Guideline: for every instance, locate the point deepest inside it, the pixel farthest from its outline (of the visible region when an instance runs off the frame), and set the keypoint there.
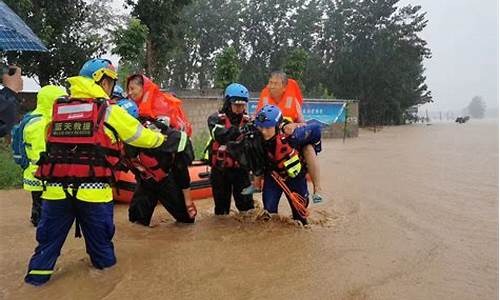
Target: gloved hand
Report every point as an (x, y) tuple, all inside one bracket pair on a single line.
[(249, 128), (172, 140), (233, 132)]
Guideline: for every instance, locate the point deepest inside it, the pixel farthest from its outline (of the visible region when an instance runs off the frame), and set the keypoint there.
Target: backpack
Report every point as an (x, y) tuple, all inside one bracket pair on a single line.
[(17, 143), (77, 148)]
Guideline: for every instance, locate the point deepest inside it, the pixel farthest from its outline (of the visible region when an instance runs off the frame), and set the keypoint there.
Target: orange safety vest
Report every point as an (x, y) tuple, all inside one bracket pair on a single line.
[(290, 103), (154, 103)]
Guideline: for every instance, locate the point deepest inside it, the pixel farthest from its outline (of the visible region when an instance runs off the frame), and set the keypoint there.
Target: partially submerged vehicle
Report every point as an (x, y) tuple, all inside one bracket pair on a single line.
[(462, 120)]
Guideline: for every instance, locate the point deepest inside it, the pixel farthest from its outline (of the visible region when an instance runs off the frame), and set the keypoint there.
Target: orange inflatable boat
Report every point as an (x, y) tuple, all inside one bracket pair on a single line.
[(200, 183)]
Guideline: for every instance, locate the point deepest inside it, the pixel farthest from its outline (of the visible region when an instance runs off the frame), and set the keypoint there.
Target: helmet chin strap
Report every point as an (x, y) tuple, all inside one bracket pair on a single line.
[(113, 88)]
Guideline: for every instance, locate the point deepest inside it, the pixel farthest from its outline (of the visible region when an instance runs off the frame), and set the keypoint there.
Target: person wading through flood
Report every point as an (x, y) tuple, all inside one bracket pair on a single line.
[(160, 177), (227, 177), (33, 135), (82, 151), (286, 95), (285, 170)]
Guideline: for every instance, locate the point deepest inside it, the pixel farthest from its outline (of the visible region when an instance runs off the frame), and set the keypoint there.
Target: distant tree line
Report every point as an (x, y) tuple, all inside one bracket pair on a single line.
[(368, 50), (476, 108)]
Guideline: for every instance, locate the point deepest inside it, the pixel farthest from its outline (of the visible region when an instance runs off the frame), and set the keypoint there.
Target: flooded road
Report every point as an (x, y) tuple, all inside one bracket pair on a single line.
[(412, 213)]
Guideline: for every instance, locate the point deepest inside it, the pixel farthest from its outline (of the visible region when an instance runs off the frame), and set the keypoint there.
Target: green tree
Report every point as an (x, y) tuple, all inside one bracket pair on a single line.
[(130, 41), (227, 68), (476, 107), (268, 28), (64, 27), (161, 18), (296, 64), (208, 27), (375, 55), (130, 44)]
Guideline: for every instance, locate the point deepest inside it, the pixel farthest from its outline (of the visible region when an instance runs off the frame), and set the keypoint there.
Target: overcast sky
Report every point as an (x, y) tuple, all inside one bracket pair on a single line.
[(463, 38)]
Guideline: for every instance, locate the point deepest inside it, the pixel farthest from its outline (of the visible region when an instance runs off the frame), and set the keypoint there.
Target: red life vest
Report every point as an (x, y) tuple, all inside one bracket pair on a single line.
[(285, 158), (148, 166), (78, 149), (220, 155)]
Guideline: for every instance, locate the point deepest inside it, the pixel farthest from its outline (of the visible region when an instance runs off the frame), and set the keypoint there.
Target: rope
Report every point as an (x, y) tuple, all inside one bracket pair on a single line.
[(298, 202)]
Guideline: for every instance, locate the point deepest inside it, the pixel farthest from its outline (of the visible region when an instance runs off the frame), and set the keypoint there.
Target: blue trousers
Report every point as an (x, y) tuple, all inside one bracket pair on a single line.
[(96, 223), (271, 194)]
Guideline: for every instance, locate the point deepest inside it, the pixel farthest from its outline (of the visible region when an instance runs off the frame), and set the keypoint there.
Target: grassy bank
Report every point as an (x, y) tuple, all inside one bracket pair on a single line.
[(199, 143), (10, 173)]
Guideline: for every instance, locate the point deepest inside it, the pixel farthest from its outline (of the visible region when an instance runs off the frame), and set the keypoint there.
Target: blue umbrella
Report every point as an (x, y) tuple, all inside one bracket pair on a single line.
[(15, 35)]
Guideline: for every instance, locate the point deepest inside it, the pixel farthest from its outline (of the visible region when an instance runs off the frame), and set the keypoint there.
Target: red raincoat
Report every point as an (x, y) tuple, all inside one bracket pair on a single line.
[(154, 103)]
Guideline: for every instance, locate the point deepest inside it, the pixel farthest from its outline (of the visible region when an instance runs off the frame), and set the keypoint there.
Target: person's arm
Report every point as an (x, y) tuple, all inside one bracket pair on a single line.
[(219, 132), (130, 131), (304, 135), (300, 115), (34, 138), (8, 110)]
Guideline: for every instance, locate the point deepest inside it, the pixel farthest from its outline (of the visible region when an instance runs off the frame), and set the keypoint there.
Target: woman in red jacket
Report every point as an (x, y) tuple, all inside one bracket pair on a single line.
[(155, 104)]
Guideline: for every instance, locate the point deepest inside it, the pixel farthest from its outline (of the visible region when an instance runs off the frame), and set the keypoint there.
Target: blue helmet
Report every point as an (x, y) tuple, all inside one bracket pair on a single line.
[(129, 106), (236, 93), (118, 91), (98, 67), (269, 116)]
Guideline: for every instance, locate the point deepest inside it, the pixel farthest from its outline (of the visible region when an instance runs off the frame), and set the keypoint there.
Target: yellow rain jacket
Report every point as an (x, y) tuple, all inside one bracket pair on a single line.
[(129, 130), (35, 131)]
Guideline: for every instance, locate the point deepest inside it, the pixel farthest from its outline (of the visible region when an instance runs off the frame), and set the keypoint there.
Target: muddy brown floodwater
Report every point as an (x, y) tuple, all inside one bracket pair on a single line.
[(412, 213)]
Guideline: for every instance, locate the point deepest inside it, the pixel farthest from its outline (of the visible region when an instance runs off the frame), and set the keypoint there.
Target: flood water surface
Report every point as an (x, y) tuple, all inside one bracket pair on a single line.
[(411, 213)]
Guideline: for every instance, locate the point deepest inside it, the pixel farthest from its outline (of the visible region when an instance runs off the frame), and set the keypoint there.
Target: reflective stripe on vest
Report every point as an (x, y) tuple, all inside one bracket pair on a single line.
[(41, 272), (286, 158), (136, 135), (32, 182), (220, 156), (182, 142), (75, 108)]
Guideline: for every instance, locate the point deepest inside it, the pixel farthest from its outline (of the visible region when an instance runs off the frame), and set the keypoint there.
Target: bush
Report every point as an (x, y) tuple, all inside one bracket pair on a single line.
[(199, 144), (11, 175)]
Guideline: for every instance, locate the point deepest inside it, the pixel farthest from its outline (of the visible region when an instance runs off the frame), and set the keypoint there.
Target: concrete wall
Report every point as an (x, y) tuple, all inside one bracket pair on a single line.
[(198, 108), (351, 126), (199, 104)]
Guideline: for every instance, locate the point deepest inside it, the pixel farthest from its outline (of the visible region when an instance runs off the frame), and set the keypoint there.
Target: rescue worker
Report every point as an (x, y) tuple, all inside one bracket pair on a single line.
[(285, 170), (160, 177), (156, 105), (226, 175), (118, 93), (34, 140), (89, 200), (125, 103), (286, 95)]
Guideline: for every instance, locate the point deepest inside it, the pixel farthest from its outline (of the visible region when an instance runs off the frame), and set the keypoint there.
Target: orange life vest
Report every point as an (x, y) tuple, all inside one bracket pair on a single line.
[(153, 103), (290, 103)]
